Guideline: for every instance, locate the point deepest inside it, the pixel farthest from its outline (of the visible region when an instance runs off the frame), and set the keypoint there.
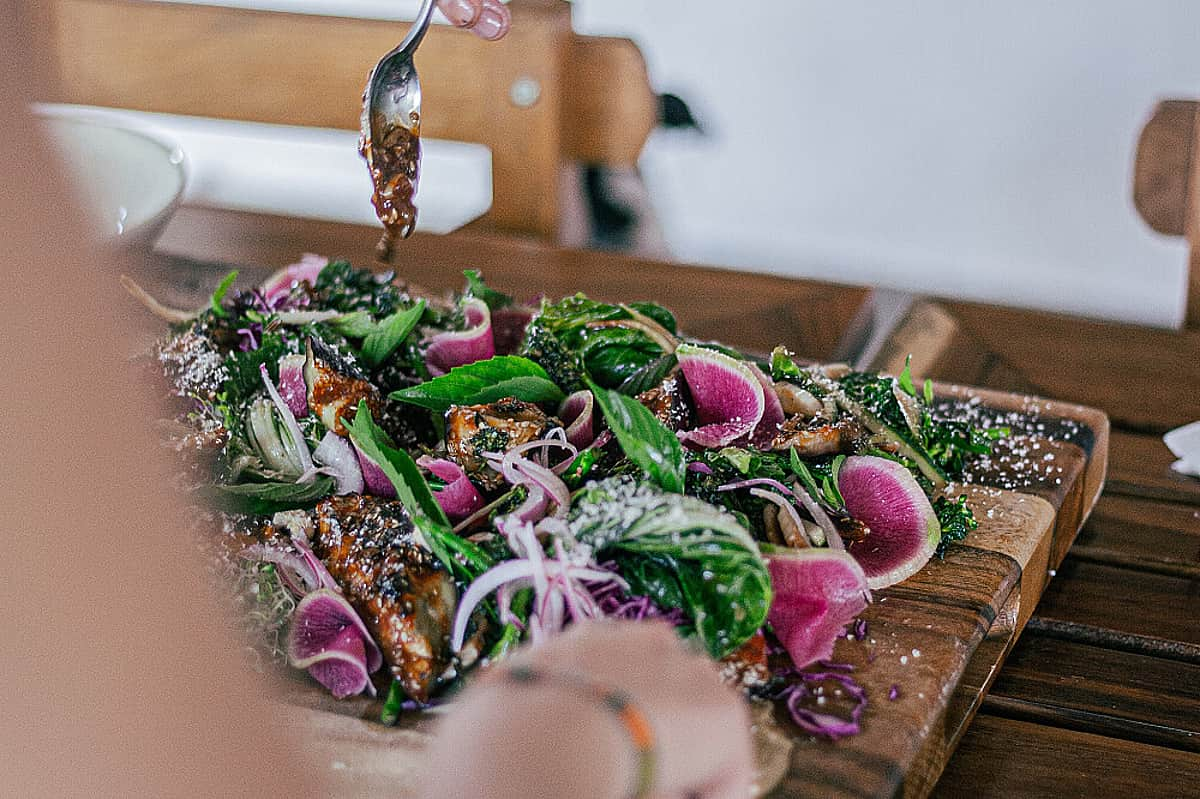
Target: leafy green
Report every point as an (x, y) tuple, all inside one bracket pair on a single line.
[(461, 558), (649, 376), (218, 296), (268, 498), (682, 552), (643, 438), (956, 519), (245, 378), (577, 337), (477, 288), (483, 382), (342, 287), (905, 378), (390, 333), (357, 324), (782, 365), (928, 391), (393, 706)]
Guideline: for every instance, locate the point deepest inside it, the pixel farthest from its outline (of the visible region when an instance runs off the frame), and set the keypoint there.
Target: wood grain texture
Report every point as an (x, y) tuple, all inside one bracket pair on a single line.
[(298, 69), (1141, 467), (1144, 379), (1003, 758), (1097, 689)]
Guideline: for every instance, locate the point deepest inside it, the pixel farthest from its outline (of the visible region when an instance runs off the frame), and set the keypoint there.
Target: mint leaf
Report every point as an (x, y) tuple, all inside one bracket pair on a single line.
[(644, 439), (218, 296), (389, 334), (480, 290), (265, 498), (461, 558), (482, 382), (928, 391)]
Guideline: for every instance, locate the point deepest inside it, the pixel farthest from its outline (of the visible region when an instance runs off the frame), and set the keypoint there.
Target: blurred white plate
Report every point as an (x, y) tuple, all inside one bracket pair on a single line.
[(130, 183)]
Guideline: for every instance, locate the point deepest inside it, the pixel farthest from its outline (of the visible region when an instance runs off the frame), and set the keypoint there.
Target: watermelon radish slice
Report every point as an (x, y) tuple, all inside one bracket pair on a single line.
[(816, 593), (773, 416), (904, 530), (729, 399)]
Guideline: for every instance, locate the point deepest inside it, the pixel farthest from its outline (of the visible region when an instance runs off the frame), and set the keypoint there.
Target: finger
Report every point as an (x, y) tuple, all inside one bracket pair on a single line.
[(461, 13), (487, 19)]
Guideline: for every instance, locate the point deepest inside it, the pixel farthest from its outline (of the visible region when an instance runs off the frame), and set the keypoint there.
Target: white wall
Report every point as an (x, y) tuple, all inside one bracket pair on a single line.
[(978, 149)]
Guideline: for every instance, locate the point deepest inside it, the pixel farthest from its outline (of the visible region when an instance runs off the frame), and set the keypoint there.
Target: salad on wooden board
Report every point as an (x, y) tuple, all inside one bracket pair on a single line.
[(406, 487)]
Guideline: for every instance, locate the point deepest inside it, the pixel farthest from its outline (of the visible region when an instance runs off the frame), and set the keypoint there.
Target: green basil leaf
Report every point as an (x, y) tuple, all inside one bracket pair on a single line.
[(218, 296), (480, 290), (390, 333), (649, 376), (643, 438), (266, 498), (482, 382), (685, 553)]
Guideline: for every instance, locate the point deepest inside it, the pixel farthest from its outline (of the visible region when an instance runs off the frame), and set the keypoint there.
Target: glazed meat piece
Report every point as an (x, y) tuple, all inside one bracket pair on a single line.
[(335, 386), (669, 404), (815, 437), (397, 585), (472, 430)]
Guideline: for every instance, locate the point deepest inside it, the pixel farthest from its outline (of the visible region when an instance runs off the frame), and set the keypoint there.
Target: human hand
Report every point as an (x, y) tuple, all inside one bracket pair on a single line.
[(487, 19), (544, 738)]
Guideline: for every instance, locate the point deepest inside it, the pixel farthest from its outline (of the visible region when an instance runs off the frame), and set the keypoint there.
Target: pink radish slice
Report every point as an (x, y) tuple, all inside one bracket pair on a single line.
[(459, 499), (375, 480), (904, 530), (292, 386), (458, 348), (773, 416), (281, 282), (327, 638), (817, 592), (508, 327), (729, 399)]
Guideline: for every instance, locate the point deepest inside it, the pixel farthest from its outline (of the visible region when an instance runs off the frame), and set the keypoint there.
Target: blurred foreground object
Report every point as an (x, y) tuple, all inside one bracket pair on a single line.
[(1166, 183)]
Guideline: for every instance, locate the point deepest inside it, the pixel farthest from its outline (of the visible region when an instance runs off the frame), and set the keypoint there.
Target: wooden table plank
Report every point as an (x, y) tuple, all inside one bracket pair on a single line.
[(1123, 600), (1003, 758), (1141, 467), (1096, 689), (1144, 534), (1145, 379)]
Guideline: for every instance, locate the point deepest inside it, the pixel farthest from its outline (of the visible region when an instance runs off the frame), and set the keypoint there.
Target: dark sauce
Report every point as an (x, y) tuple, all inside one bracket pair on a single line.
[(394, 162)]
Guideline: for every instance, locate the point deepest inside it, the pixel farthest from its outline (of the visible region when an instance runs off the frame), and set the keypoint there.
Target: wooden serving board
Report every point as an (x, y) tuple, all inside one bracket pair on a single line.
[(940, 636)]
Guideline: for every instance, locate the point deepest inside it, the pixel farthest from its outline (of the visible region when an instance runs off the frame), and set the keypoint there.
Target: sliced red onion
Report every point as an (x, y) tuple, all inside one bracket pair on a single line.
[(328, 638), (832, 537), (699, 466), (375, 480), (459, 499), (508, 327), (282, 281), (339, 456), (768, 426), (457, 348), (293, 428), (729, 399), (291, 384), (816, 593), (576, 413), (294, 570), (518, 470)]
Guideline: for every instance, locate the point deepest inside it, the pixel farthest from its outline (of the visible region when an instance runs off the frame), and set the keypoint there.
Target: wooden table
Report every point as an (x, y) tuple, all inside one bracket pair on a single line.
[(1102, 692), (1103, 689)]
